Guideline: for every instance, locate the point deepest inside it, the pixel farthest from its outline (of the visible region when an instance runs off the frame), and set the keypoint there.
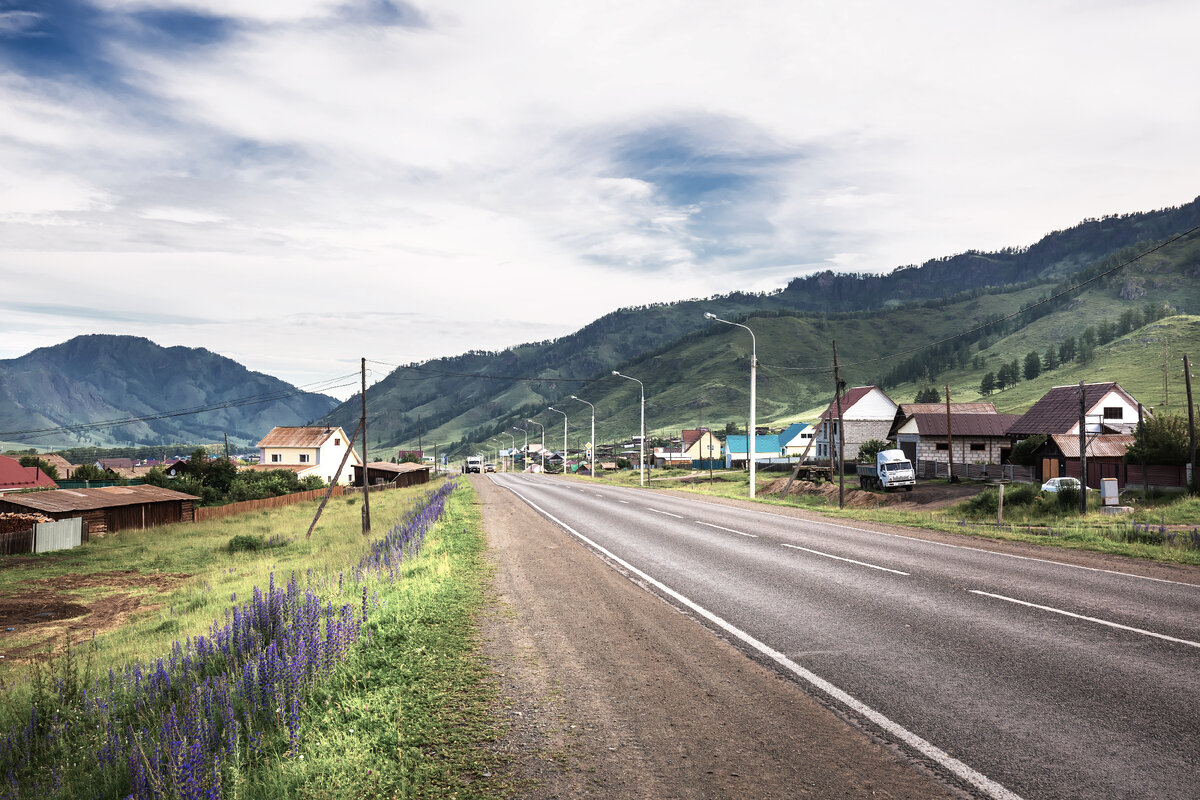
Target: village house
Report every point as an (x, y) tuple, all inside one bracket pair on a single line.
[(766, 448), (796, 440), (16, 478), (699, 444), (1107, 409), (867, 413), (316, 450), (979, 435)]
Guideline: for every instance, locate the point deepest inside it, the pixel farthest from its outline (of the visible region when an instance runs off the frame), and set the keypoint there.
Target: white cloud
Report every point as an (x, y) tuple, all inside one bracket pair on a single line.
[(484, 165)]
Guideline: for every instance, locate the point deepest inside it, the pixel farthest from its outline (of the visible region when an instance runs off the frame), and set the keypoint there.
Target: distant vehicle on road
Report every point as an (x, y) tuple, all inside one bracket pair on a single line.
[(474, 464), (489, 467), (1054, 484)]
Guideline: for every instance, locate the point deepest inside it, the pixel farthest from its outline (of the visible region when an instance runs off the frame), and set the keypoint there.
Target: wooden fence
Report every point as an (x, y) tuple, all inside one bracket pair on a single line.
[(976, 472), (206, 513), (246, 506)]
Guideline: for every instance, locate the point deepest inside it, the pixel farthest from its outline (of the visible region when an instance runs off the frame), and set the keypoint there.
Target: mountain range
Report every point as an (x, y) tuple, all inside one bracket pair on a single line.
[(889, 330), (67, 394), (1120, 280)]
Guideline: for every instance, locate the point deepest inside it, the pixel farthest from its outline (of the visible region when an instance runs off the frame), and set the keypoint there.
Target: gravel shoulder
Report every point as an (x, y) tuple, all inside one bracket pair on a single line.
[(609, 691)]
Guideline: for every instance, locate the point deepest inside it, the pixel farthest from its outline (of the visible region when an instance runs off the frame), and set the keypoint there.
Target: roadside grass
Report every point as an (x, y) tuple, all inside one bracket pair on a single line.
[(405, 714)]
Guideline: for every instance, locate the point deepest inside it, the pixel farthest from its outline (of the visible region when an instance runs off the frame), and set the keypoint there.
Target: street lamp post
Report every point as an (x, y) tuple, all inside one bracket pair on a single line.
[(593, 446), (564, 454), (642, 443), (751, 435), (541, 452), (525, 452)]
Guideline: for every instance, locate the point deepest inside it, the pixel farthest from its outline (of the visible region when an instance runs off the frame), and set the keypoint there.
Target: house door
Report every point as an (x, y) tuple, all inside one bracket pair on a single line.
[(1049, 468), (910, 452)]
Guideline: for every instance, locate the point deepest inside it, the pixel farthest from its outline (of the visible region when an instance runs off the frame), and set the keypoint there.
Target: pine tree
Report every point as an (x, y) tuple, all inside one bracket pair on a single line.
[(988, 384), (1033, 365)]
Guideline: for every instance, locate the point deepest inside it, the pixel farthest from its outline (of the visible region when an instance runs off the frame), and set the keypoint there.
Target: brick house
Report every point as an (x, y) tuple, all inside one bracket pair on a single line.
[(867, 413)]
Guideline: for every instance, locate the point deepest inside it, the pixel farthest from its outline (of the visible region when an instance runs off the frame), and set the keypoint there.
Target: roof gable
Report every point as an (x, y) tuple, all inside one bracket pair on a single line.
[(863, 402), (1058, 409), (14, 476), (301, 436)]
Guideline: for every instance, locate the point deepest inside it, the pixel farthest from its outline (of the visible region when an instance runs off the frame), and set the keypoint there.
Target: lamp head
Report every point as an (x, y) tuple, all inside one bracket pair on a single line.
[(709, 315), (615, 372)]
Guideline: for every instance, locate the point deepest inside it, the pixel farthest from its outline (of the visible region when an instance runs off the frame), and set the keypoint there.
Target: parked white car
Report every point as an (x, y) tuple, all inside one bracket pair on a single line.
[(1054, 484)]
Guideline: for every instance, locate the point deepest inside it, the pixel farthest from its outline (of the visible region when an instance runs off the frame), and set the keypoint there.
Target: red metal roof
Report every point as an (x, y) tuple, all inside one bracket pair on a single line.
[(851, 397), (14, 476)]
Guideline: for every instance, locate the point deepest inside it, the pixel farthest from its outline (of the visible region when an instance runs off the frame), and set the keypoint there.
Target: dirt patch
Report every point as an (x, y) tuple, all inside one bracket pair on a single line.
[(926, 496), (47, 613), (610, 692)]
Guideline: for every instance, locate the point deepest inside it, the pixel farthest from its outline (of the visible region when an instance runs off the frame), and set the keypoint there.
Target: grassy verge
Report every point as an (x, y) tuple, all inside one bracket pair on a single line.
[(359, 678)]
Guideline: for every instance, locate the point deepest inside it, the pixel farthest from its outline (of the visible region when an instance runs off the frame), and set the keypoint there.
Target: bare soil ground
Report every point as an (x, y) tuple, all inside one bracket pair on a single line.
[(608, 691), (924, 496), (36, 620)]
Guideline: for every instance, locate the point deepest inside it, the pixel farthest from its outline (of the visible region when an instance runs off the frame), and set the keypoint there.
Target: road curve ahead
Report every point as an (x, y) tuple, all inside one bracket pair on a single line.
[(1022, 678)]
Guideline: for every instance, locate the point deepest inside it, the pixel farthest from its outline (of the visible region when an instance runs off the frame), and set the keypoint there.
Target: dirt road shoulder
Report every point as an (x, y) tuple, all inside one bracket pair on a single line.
[(611, 692)]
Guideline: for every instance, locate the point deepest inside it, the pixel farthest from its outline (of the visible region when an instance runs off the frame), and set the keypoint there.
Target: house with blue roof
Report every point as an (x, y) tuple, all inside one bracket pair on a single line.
[(766, 447), (796, 439)]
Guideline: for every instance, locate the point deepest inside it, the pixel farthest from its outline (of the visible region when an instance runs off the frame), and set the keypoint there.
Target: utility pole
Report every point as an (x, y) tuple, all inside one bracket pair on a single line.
[(841, 428), (1166, 361), (1082, 451), (1187, 377), (950, 436), (366, 511), (1142, 447), (227, 435), (420, 447)]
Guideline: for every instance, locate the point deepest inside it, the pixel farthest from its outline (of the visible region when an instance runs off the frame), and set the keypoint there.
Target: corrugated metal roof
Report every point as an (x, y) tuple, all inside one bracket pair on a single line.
[(851, 397), (1058, 410), (14, 476), (908, 409), (59, 500), (395, 469), (1104, 446), (300, 436), (968, 424)]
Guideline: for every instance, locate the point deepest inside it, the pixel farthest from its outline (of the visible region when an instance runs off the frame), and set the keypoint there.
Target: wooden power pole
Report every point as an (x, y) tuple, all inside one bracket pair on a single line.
[(1082, 451), (950, 436), (366, 511), (1187, 378), (841, 428)]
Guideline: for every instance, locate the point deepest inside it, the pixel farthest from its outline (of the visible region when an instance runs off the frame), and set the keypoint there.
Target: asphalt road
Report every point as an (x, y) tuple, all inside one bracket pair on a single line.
[(1023, 678)]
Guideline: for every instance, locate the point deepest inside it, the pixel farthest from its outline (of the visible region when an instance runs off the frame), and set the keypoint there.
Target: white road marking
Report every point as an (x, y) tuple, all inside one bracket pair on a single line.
[(1088, 619), (664, 513), (944, 544), (730, 530), (626, 502), (600, 496), (934, 753), (840, 558)]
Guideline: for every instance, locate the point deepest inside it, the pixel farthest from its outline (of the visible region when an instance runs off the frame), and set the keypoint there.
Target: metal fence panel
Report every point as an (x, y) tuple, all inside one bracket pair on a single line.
[(61, 535)]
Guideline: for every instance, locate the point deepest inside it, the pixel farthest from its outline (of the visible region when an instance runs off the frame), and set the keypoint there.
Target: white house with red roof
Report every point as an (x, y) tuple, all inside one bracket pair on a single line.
[(867, 413), (316, 450)]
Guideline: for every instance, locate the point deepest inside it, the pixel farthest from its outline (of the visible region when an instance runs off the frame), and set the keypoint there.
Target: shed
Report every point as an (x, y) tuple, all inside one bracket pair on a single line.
[(15, 478), (385, 472), (109, 508)]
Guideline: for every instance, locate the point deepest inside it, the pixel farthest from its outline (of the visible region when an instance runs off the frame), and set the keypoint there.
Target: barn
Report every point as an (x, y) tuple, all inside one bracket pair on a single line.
[(108, 509), (384, 472)]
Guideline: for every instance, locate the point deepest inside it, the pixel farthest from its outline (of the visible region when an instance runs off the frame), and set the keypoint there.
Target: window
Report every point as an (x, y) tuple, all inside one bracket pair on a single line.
[(977, 447), (304, 458), (943, 446), (337, 442), (1113, 412), (275, 457)]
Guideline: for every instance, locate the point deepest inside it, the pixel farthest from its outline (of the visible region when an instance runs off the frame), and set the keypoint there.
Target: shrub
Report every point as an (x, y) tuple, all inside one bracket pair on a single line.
[(245, 541), (1068, 497)]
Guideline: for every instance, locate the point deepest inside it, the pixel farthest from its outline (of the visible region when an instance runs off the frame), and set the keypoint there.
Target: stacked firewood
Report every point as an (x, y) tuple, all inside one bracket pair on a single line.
[(22, 521)]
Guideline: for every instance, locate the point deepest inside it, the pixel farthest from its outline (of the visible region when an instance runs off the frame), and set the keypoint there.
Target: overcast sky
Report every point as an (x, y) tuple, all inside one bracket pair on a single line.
[(298, 183)]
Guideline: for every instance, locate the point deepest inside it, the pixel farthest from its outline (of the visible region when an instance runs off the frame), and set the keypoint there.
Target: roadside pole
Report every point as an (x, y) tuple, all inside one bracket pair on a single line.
[(1082, 451), (366, 510), (1187, 377), (841, 443)]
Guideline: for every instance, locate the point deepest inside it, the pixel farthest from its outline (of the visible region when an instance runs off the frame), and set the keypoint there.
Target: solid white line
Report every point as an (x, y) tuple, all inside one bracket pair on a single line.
[(840, 558), (665, 513), (1089, 619), (730, 530), (949, 762), (626, 502)]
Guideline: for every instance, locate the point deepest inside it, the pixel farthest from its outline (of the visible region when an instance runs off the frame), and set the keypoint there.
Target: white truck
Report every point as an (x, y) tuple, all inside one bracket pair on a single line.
[(891, 470), (474, 464)]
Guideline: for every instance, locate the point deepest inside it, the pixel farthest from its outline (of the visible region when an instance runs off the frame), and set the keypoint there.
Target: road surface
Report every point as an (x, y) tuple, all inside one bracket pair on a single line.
[(1022, 678)]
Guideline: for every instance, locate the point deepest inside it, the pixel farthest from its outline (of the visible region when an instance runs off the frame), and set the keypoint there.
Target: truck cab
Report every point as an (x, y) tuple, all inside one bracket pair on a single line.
[(891, 470)]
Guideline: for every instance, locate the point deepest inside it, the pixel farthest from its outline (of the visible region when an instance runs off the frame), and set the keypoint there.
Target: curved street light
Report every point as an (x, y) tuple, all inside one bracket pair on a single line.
[(525, 452), (514, 447), (593, 447), (752, 434), (642, 443)]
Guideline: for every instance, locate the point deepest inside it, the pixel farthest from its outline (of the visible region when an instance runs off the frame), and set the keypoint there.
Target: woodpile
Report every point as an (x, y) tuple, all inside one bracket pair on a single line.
[(23, 521)]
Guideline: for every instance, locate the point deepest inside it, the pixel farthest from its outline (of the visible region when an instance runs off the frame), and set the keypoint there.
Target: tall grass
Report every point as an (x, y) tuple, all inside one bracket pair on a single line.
[(197, 721)]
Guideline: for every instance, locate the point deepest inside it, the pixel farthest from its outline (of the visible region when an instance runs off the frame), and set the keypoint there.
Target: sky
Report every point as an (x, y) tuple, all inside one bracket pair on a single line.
[(297, 184)]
